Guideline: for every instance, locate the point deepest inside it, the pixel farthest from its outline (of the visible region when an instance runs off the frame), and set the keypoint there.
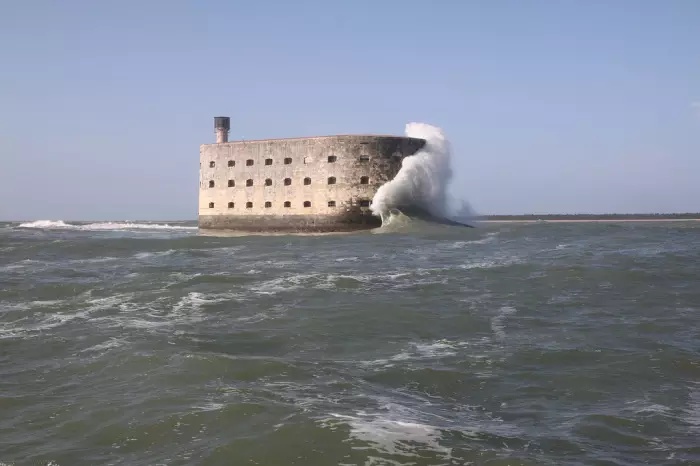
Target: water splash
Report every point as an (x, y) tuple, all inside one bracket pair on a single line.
[(421, 183)]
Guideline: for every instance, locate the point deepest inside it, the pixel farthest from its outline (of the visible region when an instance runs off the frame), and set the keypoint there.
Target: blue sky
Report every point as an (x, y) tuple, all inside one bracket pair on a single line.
[(550, 106)]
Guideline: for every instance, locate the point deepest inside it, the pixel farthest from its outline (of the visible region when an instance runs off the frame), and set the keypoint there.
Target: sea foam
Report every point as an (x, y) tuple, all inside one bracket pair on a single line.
[(61, 225)]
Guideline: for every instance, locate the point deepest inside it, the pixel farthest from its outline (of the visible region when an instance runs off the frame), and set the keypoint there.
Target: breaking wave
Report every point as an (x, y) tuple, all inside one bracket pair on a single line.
[(409, 220), (61, 225), (421, 183)]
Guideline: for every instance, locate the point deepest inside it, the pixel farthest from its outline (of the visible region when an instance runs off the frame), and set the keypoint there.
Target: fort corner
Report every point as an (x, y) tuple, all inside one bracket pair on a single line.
[(307, 184)]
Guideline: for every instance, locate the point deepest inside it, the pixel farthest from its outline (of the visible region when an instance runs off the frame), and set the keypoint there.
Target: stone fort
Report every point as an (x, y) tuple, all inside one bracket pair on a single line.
[(306, 184)]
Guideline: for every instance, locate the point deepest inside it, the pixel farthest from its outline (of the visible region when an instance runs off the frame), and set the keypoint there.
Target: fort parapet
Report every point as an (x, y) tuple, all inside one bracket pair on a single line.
[(309, 184)]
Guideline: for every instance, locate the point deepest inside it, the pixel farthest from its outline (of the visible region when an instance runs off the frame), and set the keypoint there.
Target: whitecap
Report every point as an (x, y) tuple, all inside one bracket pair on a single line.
[(691, 414), (61, 225), (490, 263), (194, 301), (282, 284), (420, 351), (488, 238), (498, 321), (23, 264), (210, 406), (105, 345), (391, 436), (147, 255)]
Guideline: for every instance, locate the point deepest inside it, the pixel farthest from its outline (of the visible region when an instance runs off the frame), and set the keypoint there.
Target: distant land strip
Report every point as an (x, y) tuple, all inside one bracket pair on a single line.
[(588, 217)]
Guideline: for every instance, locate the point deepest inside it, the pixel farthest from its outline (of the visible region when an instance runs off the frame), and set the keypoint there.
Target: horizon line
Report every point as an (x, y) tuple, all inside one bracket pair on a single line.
[(639, 214)]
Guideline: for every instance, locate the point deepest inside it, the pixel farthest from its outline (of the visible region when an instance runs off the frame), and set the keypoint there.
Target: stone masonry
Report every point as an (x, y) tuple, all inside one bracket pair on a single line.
[(321, 184)]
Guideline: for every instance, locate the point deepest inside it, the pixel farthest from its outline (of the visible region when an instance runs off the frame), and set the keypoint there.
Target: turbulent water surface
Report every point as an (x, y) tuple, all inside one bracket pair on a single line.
[(508, 344)]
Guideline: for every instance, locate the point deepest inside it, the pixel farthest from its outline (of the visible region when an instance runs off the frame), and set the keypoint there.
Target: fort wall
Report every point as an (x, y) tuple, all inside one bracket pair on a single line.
[(299, 184)]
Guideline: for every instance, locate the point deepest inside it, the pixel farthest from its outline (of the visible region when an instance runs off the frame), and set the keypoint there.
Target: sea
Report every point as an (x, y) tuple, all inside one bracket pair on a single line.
[(150, 343)]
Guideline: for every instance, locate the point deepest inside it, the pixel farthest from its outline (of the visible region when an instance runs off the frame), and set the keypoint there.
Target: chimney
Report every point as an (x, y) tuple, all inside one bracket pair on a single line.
[(222, 126)]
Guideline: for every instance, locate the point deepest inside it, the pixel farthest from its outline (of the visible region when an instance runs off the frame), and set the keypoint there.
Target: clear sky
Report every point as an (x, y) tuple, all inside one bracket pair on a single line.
[(550, 106)]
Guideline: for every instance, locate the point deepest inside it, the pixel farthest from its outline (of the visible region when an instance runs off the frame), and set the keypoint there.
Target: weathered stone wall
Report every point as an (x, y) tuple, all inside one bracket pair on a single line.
[(261, 207)]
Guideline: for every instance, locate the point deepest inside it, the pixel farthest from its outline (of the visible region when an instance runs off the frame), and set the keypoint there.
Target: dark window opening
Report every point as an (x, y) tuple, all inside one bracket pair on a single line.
[(268, 204), (287, 204), (332, 158), (230, 205), (211, 205), (287, 181), (364, 158), (249, 162), (307, 203), (331, 203), (268, 161), (307, 181), (287, 161), (211, 184), (212, 164), (268, 182), (331, 180), (364, 203), (364, 180), (249, 182), (231, 183), (248, 205), (231, 163)]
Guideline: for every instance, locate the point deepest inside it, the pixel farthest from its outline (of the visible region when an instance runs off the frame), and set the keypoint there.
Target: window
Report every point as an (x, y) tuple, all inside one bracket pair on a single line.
[(268, 182), (268, 161), (307, 181), (231, 183), (364, 180), (331, 180), (230, 205), (248, 205), (307, 203), (364, 203), (249, 182), (287, 204), (287, 181), (331, 203), (211, 183), (211, 205), (332, 158), (249, 162), (308, 160), (364, 158), (287, 161), (212, 164), (268, 204), (231, 163)]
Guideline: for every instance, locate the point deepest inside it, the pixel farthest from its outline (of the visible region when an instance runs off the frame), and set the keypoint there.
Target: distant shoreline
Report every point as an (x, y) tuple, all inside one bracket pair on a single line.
[(600, 220), (552, 218)]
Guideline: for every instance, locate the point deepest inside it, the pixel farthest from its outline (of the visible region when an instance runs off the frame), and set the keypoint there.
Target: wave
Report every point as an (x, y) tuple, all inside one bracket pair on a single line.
[(401, 431), (421, 184), (414, 219), (392, 436), (61, 225)]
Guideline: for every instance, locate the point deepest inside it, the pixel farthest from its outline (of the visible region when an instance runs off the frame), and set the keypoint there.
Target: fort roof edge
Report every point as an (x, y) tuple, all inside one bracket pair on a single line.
[(392, 136)]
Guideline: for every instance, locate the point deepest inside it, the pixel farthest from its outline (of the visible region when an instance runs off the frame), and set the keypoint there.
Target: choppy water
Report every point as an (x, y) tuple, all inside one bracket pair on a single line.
[(510, 344)]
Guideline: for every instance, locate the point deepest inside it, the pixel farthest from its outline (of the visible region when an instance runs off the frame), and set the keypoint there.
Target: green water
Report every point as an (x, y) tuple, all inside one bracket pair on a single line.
[(509, 344)]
